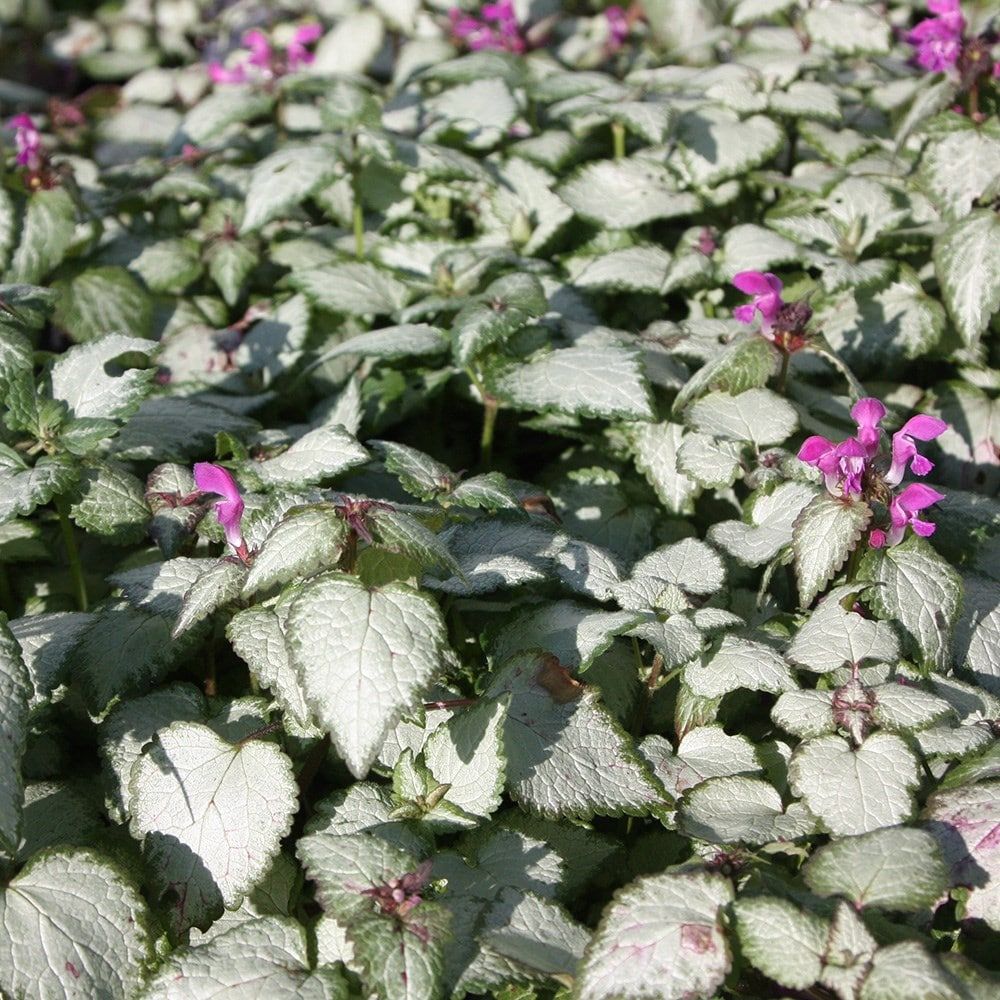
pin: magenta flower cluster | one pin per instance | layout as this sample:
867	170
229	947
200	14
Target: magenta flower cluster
496	28
853	468
28	142
938	40
266	62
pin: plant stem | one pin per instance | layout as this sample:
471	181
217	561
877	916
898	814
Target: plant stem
974	103
72	555
853	561
271	727
783	374
349	557
211	684
793	141
651	683
491	406
450	703
618	138
359	226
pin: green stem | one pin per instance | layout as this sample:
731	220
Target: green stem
359	225
491	407
793	140
72	555
974	103
618	138
651	684
349	555
854	561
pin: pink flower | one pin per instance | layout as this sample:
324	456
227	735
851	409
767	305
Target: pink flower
221	74
260	48
263	62
215	479
843	465
618	26
904	448
297	53
706	241
938	40
949	11
496	28
28	141
903	510
766	292
868	413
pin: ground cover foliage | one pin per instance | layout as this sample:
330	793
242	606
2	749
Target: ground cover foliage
500	502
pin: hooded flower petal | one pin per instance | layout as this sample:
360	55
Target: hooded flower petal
211	478
918	496
868	414
814	448
757	283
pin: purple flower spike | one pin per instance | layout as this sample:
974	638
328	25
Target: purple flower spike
903	510
766	292
904	448
868	413
211	478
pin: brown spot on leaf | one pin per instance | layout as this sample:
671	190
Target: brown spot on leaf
561	685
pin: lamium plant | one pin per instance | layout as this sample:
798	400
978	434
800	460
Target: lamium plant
500	500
